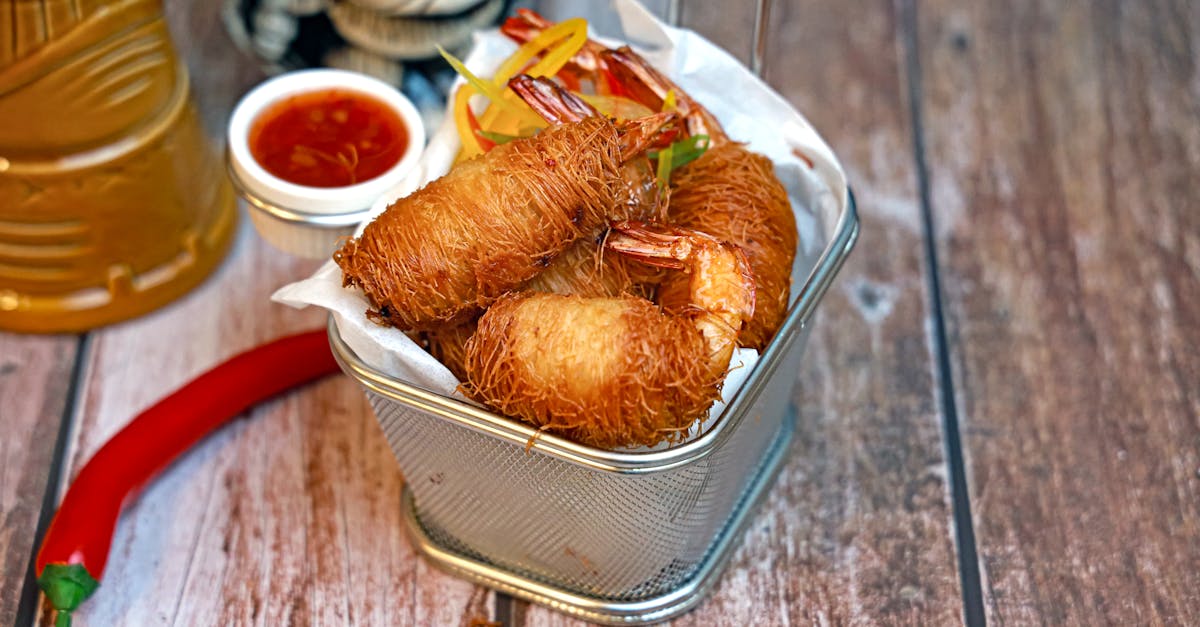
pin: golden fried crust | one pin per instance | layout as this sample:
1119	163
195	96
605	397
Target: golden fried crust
733	195
582	269
439	255
639	197
607	372
447	344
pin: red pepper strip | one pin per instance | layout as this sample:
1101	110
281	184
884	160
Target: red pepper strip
485	144
74	552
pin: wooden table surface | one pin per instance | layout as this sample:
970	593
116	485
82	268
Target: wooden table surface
999	407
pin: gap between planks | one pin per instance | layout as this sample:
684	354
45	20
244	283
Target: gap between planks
27	608
964	531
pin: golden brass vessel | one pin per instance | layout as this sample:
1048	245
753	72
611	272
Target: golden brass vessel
112	201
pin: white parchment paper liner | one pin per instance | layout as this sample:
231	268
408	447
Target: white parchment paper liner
747	108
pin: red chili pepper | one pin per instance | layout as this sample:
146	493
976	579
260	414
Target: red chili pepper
73	553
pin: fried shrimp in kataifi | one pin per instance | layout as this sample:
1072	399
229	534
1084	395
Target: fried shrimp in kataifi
616	371
582	269
439	255
640	197
728	192
448	344
732	192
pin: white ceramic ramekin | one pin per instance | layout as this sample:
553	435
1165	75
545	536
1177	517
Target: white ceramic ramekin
308	221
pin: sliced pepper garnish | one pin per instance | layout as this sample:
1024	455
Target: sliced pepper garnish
666	155
683	151
559	43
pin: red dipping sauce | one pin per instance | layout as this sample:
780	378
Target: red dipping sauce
330	138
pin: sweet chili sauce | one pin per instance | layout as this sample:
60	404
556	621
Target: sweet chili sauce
330	138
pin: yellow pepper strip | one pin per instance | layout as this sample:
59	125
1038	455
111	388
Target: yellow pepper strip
462	123
556	59
666	155
575	32
560	42
493	92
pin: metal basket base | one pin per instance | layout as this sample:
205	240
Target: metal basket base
651	610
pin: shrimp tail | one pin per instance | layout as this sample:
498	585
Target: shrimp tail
638	136
525	25
618	71
554	104
650	87
722	279
559	106
659	245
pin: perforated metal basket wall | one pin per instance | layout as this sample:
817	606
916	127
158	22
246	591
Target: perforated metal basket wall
611	536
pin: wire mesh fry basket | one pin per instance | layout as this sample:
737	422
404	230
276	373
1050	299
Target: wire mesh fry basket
620	537
615	537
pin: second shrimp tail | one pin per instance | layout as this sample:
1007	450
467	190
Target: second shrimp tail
560	106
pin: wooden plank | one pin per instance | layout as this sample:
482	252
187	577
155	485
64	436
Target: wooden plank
291	516
35	375
857	529
1063	148
288	517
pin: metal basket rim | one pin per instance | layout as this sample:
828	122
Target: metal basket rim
485	421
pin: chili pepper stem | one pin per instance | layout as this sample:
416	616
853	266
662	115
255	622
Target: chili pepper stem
66	586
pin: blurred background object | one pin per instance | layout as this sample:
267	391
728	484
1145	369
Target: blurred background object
393	40
112	202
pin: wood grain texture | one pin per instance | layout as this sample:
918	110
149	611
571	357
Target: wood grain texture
35	374
1063	144
290	516
857	530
